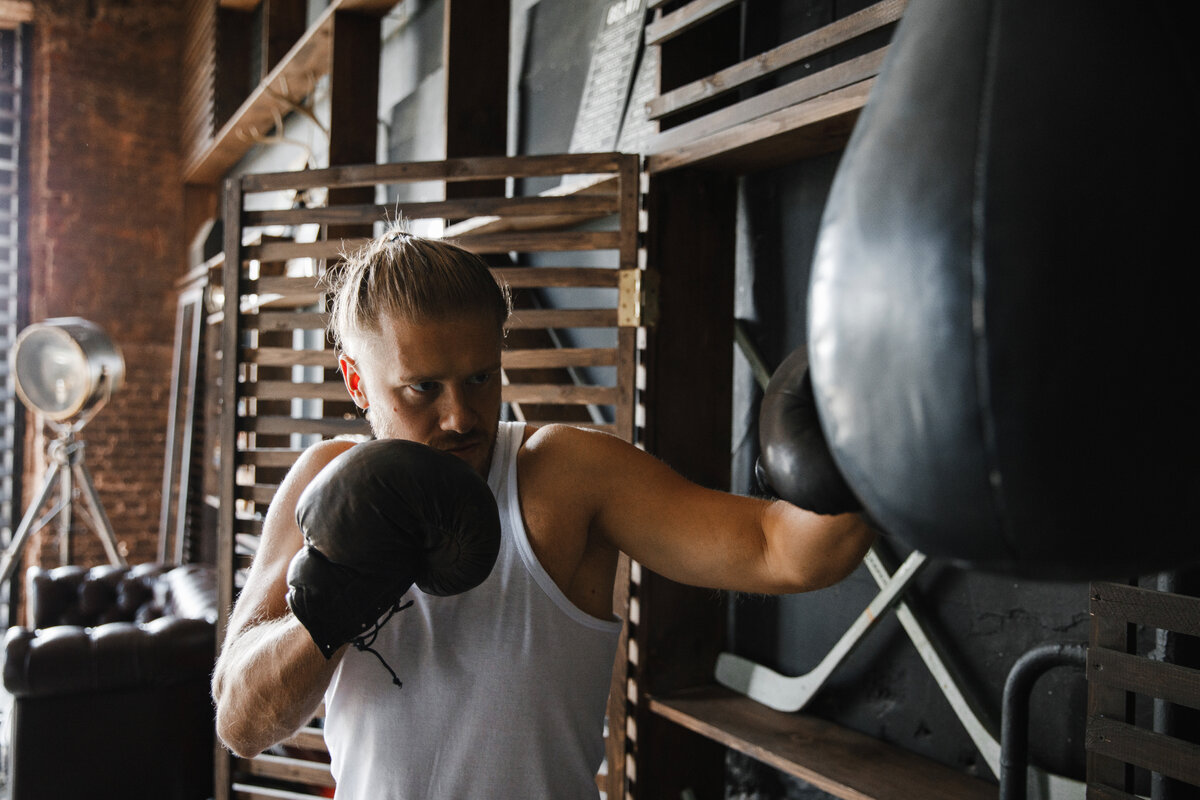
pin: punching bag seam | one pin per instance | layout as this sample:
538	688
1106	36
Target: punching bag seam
979	322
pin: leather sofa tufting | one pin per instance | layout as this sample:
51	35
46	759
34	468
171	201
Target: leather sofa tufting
110	683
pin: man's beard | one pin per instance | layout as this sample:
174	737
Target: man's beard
480	458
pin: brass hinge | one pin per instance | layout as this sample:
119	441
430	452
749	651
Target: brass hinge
637	298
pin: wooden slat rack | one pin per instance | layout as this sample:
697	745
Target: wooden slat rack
280	386
726	121
1121	754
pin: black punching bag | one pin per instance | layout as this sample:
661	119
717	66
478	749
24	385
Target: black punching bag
1003	301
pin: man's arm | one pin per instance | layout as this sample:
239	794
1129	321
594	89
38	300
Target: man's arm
270	676
700	536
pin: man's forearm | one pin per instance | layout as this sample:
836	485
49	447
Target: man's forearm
269	681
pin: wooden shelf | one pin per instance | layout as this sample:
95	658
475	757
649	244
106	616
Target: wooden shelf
293	79
836	760
815	127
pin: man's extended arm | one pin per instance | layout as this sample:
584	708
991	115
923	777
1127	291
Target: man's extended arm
696	535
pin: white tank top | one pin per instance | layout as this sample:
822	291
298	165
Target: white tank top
504	687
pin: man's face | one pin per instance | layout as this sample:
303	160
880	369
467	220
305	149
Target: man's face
433	381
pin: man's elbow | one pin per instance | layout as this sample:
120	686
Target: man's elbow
853	541
241	734
239	737
847	541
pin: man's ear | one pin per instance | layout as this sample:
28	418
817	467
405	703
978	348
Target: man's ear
353	380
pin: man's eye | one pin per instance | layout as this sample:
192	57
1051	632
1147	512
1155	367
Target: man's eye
423	386
480	379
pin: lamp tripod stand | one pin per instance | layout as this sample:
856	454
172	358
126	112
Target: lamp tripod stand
66	471
66	369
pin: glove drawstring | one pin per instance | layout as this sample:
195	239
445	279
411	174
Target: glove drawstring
363	641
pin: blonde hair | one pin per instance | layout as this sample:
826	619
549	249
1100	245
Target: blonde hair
411	277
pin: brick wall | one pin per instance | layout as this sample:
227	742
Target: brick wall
106	235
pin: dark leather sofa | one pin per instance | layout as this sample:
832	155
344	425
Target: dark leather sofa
110	684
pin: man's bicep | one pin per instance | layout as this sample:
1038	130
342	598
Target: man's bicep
677	528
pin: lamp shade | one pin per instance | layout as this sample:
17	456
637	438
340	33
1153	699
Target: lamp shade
65	367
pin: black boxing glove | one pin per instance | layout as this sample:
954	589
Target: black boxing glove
796	463
378	518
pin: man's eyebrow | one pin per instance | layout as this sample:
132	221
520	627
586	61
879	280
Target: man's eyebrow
407	380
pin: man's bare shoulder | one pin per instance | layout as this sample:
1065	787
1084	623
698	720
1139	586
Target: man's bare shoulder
565	454
316	456
558	440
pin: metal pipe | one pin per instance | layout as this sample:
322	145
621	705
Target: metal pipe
1014	720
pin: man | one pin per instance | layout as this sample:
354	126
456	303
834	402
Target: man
503	686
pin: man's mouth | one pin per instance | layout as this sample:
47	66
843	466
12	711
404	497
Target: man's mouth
459	447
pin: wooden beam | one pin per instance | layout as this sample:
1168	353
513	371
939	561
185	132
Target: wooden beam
475	68
284	22
689	365
452	169
15	12
685	18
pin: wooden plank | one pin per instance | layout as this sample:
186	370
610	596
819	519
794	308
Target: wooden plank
817	126
269	457
249	527
284	285
242	791
560	357
1156	752
308	739
1096	791
626	417
775	59
328	426
322	249
296	770
597	186
537	241
451	169
226	442
1145	676
258	493
287	357
671	25
538	208
288	390
791	94
558	394
15	12
285	321
837	760
1154	609
584	277
528	318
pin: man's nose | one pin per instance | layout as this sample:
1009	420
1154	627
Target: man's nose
456	413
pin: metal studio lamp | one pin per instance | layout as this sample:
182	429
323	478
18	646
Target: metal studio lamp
66	369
